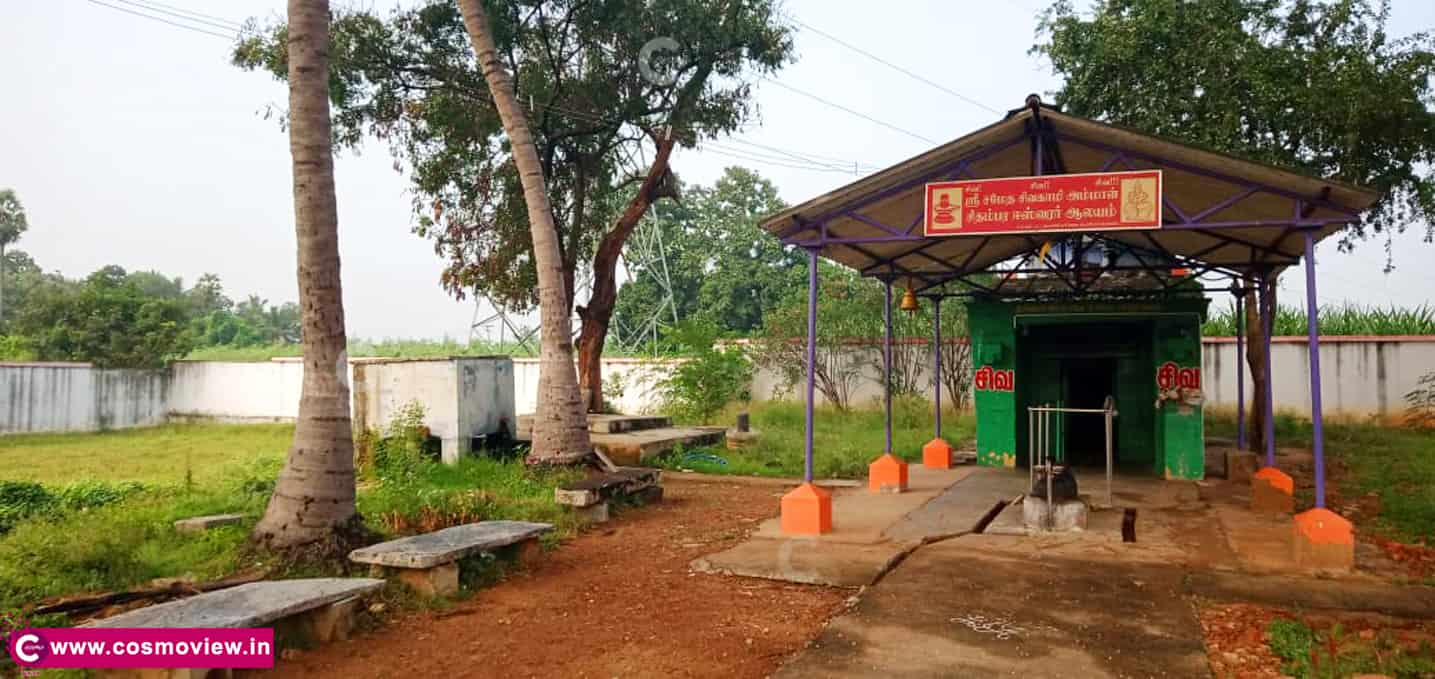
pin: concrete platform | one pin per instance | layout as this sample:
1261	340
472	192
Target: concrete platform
946	612
861	546
602	423
633	447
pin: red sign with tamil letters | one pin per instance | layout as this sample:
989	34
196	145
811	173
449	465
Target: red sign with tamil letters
1102	201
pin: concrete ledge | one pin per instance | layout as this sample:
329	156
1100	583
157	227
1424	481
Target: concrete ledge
199	524
1240	465
1345	594
448	545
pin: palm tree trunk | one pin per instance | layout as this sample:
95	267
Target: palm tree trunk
315	492
560	427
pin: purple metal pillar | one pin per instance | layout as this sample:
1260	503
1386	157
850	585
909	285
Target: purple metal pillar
1240	369
1268	396
811	355
1312	320
937	364
887	359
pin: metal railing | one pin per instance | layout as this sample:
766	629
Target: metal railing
1038	422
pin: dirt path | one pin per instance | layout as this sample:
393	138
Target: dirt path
616	601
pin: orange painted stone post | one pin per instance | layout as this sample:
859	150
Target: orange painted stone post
887	474
807	510
1272	492
1324	541
937	454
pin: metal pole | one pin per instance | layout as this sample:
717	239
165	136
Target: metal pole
1268	322
937	363
1107	416
887	359
1312	320
1050	521
1030	448
811	355
1240	370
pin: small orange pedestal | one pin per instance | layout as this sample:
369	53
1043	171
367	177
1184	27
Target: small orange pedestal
887	474
937	454
1272	492
807	510
1323	540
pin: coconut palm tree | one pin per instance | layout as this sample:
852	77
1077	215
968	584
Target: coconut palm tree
560	427
315	493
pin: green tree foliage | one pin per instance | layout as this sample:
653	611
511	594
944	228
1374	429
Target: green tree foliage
12	224
1317	86
115	318
409	77
106	320
723	268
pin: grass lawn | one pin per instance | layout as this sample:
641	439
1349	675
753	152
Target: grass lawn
87	530
844	443
1396	463
150	455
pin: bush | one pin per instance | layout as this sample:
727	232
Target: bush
21	500
398	452
699	387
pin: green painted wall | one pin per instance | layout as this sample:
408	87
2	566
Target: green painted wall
994	344
1054	349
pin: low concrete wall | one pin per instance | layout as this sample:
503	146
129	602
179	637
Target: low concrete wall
1360	376
634	380
59	397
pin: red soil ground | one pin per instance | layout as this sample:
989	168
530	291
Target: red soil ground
615	601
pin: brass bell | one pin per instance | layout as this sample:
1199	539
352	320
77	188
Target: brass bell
909	301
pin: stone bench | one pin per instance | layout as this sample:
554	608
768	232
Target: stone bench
429	562
589	497
316	610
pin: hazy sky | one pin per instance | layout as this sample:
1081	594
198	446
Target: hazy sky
136	143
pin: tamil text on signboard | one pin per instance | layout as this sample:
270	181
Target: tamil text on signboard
1103	201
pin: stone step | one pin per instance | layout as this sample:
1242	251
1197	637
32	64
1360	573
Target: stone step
602	424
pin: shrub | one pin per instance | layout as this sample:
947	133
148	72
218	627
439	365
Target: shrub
696	389
1420	403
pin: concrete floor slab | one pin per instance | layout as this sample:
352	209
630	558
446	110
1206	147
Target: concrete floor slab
861	517
804	560
947	612
960	507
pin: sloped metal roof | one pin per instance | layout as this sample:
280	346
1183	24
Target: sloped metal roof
1219	210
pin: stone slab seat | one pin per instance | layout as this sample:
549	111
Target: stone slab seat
448	545
428	562
590	496
256	604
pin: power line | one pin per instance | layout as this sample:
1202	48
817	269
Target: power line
895	67
163	20
842	108
185	15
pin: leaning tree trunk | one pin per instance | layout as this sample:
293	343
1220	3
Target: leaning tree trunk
1256	359
598	312
315	492
560	428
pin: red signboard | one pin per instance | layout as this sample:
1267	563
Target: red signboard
1101	201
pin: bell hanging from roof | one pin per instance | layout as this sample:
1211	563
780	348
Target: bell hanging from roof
909	300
